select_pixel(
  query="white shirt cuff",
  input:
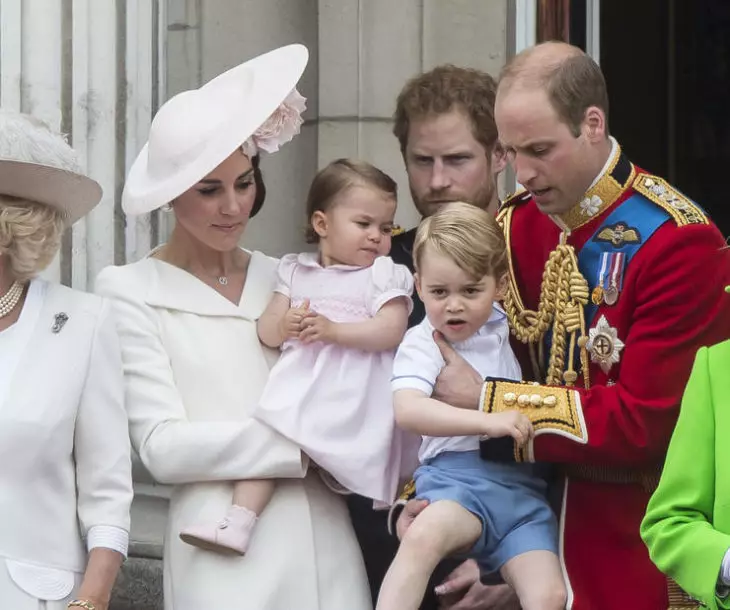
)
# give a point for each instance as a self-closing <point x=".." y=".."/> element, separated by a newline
<point x="411" y="382"/>
<point x="108" y="537"/>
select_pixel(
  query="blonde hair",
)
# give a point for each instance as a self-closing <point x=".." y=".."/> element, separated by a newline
<point x="468" y="235"/>
<point x="30" y="235"/>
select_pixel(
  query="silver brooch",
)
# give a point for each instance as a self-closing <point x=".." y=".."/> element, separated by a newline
<point x="58" y="322"/>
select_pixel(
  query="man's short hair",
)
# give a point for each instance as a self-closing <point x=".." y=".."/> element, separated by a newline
<point x="447" y="88"/>
<point x="573" y="82"/>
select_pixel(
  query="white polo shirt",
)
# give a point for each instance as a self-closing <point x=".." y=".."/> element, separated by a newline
<point x="418" y="363"/>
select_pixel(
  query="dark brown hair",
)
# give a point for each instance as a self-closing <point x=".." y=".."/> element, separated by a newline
<point x="336" y="178"/>
<point x="447" y="88"/>
<point x="573" y="81"/>
<point x="258" y="179"/>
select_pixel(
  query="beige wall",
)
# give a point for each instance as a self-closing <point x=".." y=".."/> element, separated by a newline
<point x="362" y="52"/>
<point x="367" y="52"/>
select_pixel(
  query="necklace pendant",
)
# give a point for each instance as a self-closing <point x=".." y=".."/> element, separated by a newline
<point x="223" y="280"/>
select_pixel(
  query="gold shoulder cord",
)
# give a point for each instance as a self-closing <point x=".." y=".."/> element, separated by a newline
<point x="563" y="294"/>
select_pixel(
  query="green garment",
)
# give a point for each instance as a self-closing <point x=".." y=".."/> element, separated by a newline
<point x="687" y="523"/>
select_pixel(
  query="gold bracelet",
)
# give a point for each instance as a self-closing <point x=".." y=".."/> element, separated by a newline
<point x="81" y="603"/>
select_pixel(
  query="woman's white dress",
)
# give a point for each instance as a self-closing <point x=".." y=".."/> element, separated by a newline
<point x="194" y="372"/>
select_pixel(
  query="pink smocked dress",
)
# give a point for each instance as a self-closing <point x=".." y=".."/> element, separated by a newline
<point x="335" y="402"/>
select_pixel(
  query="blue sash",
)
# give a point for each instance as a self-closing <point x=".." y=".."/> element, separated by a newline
<point x="637" y="213"/>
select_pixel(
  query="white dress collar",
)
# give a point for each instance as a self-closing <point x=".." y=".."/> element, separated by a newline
<point x="176" y="289"/>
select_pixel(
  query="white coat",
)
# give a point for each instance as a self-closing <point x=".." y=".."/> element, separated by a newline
<point x="64" y="449"/>
<point x="194" y="370"/>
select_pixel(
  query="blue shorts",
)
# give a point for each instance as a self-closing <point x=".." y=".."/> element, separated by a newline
<point x="509" y="500"/>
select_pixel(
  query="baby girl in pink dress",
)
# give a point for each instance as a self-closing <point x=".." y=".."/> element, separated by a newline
<point x="338" y="315"/>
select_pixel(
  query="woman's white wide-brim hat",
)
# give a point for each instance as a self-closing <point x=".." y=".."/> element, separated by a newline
<point x="73" y="194"/>
<point x="196" y="130"/>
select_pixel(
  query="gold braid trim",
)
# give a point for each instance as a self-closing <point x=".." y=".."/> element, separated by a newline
<point x="684" y="211"/>
<point x="563" y="294"/>
<point x="409" y="490"/>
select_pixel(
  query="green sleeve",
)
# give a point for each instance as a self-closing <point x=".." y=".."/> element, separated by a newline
<point x="678" y="527"/>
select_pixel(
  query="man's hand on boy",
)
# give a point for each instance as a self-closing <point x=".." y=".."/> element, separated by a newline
<point x="458" y="384"/>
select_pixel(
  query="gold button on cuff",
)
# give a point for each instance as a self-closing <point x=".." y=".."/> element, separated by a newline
<point x="550" y="408"/>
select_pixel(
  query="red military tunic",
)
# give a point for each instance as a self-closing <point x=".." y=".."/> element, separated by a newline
<point x="611" y="438"/>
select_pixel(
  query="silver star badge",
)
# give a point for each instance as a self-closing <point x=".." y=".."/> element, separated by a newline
<point x="604" y="345"/>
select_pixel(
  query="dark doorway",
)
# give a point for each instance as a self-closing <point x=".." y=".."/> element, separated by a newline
<point x="667" y="65"/>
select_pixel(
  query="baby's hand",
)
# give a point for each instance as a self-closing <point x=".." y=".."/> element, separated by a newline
<point x="315" y="327"/>
<point x="291" y="324"/>
<point x="509" y="423"/>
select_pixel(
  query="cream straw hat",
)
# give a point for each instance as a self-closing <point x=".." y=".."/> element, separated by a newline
<point x="196" y="130"/>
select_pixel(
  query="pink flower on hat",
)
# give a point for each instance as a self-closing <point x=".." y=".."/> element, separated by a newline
<point x="280" y="127"/>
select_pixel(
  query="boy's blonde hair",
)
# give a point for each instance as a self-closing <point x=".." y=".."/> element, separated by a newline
<point x="468" y="235"/>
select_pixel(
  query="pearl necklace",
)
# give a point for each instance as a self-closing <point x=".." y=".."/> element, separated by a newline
<point x="10" y="299"/>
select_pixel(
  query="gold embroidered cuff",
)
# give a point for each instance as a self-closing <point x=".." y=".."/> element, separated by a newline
<point x="550" y="409"/>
